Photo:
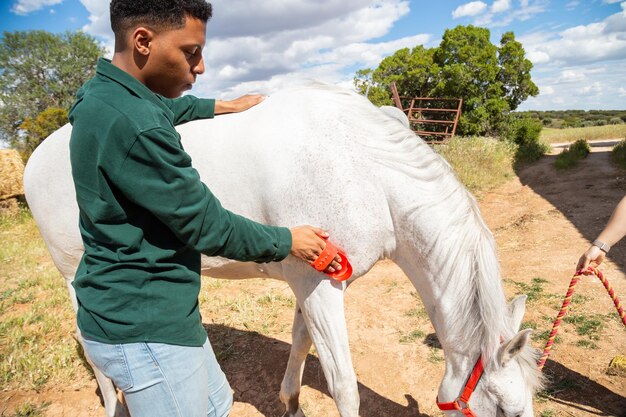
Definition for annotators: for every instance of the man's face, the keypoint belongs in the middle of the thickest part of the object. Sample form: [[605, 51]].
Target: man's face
[[176, 59]]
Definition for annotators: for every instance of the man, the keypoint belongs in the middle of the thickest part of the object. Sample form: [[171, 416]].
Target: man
[[145, 217]]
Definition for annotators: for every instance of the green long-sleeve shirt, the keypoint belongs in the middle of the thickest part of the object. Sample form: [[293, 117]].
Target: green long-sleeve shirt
[[145, 216]]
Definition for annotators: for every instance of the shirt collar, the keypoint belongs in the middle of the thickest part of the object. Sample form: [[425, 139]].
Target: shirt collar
[[106, 69]]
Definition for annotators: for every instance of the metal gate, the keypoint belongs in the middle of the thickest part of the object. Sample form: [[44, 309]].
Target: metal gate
[[433, 119]]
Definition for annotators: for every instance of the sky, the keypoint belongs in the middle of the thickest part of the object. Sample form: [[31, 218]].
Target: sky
[[578, 47]]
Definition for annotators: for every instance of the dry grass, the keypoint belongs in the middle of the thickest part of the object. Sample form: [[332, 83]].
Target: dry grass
[[37, 348], [480, 163], [587, 133]]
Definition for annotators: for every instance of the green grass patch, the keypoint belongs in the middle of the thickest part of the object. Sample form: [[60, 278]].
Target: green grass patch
[[587, 344], [534, 290], [435, 356], [579, 299], [557, 387], [618, 154], [542, 337], [418, 313], [480, 163], [571, 155], [589, 326], [548, 413], [412, 337], [528, 325], [587, 133], [30, 410]]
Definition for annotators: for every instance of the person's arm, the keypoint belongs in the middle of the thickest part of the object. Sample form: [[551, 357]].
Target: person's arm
[[239, 104], [188, 108], [614, 231], [157, 175]]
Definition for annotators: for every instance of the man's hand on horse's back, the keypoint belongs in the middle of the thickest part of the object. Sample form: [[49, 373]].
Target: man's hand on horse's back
[[308, 243], [239, 104]]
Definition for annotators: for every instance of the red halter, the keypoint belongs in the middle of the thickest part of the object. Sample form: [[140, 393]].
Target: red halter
[[462, 402]]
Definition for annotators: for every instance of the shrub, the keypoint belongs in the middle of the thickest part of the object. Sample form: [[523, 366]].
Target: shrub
[[525, 134], [618, 155], [571, 155], [615, 121]]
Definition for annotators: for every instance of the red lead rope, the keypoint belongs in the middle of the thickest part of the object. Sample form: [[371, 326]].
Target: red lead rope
[[462, 402], [565, 306]]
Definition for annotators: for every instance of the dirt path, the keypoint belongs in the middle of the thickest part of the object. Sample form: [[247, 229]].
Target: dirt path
[[542, 222]]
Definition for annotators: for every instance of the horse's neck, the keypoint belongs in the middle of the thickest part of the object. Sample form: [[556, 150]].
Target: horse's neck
[[449, 256], [440, 306]]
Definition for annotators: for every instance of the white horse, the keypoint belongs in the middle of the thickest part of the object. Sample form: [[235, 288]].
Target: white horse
[[323, 156]]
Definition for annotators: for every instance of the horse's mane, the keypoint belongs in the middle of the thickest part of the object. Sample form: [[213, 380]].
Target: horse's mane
[[482, 315]]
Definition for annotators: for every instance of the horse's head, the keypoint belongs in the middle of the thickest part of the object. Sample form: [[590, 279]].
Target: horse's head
[[512, 377], [504, 384]]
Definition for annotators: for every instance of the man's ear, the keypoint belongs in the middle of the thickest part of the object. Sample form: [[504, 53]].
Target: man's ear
[[142, 40]]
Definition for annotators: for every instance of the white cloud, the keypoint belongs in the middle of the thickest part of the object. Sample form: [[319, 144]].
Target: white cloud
[[611, 1], [572, 5], [592, 89], [505, 16], [538, 57], [24, 7], [500, 6], [599, 41], [278, 43], [571, 76], [99, 18], [469, 9], [589, 86]]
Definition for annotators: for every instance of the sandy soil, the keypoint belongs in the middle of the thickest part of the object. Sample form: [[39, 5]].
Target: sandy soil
[[543, 220]]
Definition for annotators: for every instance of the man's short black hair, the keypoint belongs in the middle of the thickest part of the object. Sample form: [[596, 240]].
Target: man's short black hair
[[158, 14]]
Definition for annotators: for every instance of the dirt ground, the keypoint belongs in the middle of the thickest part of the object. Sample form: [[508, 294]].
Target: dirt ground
[[542, 220]]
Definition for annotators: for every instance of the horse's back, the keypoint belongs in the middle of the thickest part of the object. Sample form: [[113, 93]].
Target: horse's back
[[295, 159], [277, 163]]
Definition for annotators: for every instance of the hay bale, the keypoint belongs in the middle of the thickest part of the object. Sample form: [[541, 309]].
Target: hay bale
[[617, 366], [9, 207], [11, 174]]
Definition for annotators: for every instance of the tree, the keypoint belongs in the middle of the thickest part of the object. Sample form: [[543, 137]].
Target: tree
[[41, 70], [35, 130], [413, 71], [469, 70], [491, 80], [515, 71]]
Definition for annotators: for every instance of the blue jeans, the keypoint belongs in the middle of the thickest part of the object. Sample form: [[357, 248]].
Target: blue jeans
[[160, 380]]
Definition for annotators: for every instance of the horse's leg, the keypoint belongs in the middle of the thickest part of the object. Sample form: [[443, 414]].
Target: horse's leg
[[292, 381], [112, 406], [321, 302]]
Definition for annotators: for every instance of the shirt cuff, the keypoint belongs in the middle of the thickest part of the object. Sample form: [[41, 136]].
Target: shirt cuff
[[284, 244], [207, 107]]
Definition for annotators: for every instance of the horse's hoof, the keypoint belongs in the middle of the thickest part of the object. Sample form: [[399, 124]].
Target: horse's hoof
[[298, 413]]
